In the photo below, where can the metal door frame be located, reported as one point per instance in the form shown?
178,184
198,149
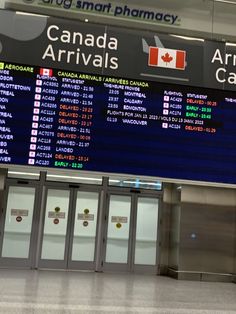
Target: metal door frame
120,267
104,190
11,262
67,263
82,265
152,269
130,266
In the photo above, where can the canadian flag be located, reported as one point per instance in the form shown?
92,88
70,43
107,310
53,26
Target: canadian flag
166,58
45,72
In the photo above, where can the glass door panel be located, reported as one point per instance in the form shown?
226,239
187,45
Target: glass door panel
55,224
18,222
146,231
117,243
85,226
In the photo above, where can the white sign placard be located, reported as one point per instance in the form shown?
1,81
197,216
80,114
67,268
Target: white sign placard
119,219
86,217
61,215
19,212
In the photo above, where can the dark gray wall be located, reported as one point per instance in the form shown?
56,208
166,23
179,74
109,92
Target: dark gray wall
202,233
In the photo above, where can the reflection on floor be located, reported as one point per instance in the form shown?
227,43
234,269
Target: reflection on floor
42,292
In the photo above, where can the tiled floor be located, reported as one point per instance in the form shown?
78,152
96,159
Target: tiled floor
55,292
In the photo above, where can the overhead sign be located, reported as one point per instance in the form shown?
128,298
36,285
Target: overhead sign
166,15
78,121
108,99
79,41
113,9
97,49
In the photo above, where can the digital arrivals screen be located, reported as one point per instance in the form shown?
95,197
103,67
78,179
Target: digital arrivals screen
70,120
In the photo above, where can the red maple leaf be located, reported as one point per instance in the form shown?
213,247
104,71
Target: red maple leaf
167,58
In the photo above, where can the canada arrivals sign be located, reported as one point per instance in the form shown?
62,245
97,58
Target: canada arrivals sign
113,51
79,40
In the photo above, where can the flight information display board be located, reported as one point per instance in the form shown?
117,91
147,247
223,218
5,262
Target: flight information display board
70,120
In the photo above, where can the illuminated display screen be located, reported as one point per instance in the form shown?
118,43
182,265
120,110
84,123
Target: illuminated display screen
69,120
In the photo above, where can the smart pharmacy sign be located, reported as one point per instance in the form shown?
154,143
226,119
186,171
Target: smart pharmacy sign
109,9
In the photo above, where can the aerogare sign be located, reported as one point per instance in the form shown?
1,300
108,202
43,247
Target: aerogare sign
110,9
